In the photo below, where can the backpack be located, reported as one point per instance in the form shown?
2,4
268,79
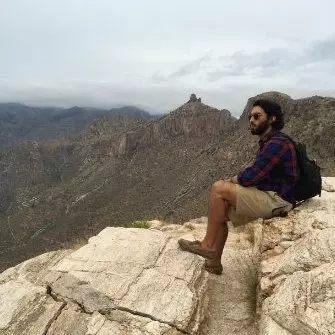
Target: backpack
310,182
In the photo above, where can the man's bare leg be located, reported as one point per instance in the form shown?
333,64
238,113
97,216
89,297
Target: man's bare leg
222,194
214,265
220,241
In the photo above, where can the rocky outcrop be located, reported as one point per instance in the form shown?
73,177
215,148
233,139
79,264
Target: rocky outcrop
191,121
310,112
284,100
124,281
193,98
297,270
309,120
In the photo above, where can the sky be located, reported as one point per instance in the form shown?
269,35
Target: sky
154,54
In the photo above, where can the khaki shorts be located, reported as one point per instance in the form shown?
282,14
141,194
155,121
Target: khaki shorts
253,204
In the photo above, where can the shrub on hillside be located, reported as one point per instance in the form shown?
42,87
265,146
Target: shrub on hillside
139,224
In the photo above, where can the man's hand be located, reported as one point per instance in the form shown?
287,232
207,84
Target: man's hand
233,180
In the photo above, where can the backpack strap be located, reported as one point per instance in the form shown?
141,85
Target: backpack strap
297,203
289,138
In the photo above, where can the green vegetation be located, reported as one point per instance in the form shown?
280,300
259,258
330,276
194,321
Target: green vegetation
139,224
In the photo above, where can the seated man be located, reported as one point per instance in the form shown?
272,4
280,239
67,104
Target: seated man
262,190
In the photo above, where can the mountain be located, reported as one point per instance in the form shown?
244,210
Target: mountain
123,168
19,122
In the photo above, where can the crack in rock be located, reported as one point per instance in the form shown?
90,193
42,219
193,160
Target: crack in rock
161,252
146,268
63,299
56,316
104,311
145,315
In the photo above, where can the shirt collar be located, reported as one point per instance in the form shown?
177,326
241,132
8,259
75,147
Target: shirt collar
262,141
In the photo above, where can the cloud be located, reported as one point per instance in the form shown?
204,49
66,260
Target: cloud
156,54
190,68
322,50
293,62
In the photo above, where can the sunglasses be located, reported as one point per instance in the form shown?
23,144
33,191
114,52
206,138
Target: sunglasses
255,116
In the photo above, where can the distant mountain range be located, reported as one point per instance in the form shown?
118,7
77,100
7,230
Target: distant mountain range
120,168
20,122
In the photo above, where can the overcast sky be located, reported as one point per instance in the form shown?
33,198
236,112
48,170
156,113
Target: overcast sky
156,53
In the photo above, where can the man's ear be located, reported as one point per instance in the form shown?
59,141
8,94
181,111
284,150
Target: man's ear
273,118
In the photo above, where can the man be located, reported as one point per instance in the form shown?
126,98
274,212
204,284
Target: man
262,190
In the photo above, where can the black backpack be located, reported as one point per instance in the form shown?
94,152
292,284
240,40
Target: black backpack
310,182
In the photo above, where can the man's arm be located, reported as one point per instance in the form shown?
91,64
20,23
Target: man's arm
268,158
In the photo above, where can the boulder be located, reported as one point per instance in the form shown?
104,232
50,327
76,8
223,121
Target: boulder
26,308
124,281
297,273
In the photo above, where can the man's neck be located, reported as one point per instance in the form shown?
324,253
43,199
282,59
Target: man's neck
265,134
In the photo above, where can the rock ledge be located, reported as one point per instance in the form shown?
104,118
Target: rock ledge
124,281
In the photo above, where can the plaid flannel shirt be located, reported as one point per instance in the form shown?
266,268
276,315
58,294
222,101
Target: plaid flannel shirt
275,168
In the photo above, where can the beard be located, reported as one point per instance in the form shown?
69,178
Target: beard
261,128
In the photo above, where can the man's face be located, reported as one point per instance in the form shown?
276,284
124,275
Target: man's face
258,121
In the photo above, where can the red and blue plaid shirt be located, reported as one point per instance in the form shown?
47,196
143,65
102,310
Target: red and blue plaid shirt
275,168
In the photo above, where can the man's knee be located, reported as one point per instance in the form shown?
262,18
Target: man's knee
222,187
225,190
218,186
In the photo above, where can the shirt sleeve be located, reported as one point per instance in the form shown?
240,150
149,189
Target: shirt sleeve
267,159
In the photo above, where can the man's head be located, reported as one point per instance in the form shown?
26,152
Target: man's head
265,116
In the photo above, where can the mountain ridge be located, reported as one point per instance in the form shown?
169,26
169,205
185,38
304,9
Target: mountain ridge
19,122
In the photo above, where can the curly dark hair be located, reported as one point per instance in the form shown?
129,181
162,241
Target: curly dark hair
271,108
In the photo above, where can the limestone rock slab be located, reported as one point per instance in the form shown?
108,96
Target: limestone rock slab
26,308
305,302
139,271
124,281
316,213
297,282
328,184
70,321
114,258
35,269
313,250
121,323
269,327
